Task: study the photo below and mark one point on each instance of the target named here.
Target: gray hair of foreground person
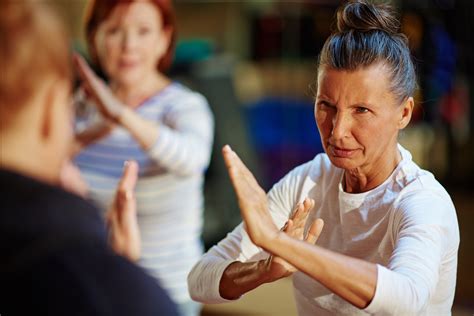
(367, 35)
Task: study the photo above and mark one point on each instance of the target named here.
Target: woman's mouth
(127, 64)
(341, 152)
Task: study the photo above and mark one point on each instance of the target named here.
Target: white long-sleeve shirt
(407, 226)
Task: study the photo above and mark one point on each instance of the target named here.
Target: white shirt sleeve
(425, 230)
(205, 276)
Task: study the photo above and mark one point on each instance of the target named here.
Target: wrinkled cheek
(324, 128)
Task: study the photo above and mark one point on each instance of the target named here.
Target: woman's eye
(112, 31)
(361, 109)
(324, 105)
(144, 30)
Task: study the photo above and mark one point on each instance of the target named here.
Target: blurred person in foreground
(142, 114)
(390, 241)
(55, 259)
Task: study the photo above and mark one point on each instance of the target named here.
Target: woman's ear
(406, 112)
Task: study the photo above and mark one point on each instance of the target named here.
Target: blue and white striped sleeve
(184, 143)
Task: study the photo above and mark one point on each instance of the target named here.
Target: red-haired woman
(141, 114)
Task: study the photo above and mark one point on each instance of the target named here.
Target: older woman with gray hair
(391, 235)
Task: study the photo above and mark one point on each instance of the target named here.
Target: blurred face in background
(358, 117)
(131, 41)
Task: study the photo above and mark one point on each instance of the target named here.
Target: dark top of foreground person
(55, 259)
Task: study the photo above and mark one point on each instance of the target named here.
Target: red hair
(99, 10)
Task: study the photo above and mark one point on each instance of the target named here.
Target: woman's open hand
(252, 200)
(294, 227)
(95, 88)
(124, 234)
(259, 224)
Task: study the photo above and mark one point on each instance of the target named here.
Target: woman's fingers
(315, 231)
(122, 220)
(98, 91)
(125, 188)
(302, 209)
(248, 194)
(235, 165)
(82, 69)
(298, 221)
(301, 212)
(95, 87)
(130, 176)
(308, 204)
(239, 182)
(85, 72)
(252, 200)
(243, 181)
(90, 82)
(296, 214)
(229, 157)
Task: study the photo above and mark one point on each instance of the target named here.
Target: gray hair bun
(362, 16)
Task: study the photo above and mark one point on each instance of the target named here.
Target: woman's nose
(129, 41)
(340, 126)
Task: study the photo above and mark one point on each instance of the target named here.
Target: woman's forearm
(184, 150)
(352, 279)
(144, 131)
(90, 135)
(242, 277)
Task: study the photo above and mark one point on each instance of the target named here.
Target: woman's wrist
(270, 240)
(145, 132)
(269, 272)
(241, 277)
(120, 115)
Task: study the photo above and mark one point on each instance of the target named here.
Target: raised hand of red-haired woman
(96, 89)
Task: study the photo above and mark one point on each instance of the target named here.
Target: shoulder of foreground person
(84, 279)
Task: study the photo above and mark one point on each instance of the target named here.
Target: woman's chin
(128, 76)
(342, 163)
(129, 79)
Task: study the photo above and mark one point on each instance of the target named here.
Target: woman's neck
(358, 180)
(18, 144)
(134, 94)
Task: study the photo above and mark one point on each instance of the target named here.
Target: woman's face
(358, 117)
(131, 42)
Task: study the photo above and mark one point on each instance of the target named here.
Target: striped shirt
(169, 190)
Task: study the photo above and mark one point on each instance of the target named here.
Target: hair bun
(363, 16)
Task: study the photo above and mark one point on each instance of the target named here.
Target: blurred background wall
(255, 61)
